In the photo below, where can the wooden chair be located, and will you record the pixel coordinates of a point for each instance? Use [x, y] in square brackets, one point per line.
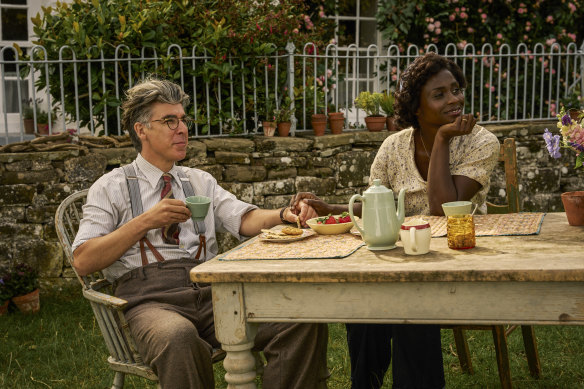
[108, 309]
[507, 155]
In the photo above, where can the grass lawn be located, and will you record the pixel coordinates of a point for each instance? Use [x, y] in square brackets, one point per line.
[61, 347]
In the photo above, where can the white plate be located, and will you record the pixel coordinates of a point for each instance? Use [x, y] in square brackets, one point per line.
[293, 238]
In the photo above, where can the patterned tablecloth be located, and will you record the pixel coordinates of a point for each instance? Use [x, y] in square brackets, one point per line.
[343, 245]
[313, 247]
[525, 223]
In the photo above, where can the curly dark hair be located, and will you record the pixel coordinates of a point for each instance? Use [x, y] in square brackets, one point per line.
[407, 97]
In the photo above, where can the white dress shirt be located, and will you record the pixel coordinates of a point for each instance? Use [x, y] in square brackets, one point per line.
[108, 207]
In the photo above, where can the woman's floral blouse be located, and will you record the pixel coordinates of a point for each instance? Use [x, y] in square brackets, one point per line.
[473, 155]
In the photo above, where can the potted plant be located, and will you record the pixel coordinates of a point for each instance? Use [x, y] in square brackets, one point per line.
[43, 121]
[28, 115]
[23, 283]
[269, 121]
[386, 105]
[573, 103]
[336, 119]
[572, 138]
[371, 104]
[315, 104]
[283, 116]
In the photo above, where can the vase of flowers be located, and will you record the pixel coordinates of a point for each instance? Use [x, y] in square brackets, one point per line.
[571, 138]
[23, 284]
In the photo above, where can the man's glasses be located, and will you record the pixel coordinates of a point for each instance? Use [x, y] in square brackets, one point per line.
[172, 122]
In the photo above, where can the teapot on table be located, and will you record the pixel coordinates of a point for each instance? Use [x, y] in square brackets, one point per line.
[381, 223]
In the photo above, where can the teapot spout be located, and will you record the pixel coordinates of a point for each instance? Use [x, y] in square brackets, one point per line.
[401, 214]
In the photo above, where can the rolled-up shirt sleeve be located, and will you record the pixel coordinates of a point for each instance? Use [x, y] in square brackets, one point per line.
[227, 209]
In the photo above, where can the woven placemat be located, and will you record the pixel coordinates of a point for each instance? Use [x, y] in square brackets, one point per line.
[313, 247]
[525, 223]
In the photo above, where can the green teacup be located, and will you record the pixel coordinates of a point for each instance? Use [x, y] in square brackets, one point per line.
[457, 208]
[199, 206]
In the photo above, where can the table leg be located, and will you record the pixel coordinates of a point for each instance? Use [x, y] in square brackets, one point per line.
[235, 334]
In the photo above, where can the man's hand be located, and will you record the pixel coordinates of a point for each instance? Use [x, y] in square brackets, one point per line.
[166, 212]
[319, 206]
[306, 212]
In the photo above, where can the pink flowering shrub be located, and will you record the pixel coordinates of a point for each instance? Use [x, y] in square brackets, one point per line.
[489, 25]
[480, 21]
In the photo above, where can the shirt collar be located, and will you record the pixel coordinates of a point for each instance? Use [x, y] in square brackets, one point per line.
[152, 173]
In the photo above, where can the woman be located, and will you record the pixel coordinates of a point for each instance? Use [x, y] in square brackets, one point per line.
[440, 156]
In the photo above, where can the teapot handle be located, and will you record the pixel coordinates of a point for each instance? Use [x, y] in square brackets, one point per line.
[355, 197]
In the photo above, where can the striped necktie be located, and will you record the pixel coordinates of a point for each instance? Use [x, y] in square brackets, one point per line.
[170, 232]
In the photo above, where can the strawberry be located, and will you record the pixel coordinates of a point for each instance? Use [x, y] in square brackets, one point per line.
[345, 219]
[330, 220]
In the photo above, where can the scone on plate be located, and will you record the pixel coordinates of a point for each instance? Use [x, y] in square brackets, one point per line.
[291, 231]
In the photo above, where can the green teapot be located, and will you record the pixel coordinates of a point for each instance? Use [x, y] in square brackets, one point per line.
[381, 223]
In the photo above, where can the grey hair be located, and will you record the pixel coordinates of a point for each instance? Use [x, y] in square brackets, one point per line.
[139, 100]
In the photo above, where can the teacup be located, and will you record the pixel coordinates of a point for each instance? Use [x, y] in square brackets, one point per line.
[199, 206]
[457, 208]
[415, 235]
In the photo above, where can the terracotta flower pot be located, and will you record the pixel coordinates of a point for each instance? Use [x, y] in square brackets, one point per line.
[574, 113]
[4, 307]
[318, 123]
[375, 123]
[43, 128]
[336, 122]
[390, 123]
[28, 126]
[269, 128]
[28, 303]
[574, 207]
[284, 128]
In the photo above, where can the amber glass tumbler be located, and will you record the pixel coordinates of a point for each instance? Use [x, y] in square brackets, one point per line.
[461, 232]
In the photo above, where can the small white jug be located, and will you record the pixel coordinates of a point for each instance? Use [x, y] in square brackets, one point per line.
[415, 236]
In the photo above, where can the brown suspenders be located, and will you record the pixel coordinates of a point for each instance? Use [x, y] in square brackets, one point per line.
[137, 209]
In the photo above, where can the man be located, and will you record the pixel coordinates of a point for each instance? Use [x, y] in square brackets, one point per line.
[148, 255]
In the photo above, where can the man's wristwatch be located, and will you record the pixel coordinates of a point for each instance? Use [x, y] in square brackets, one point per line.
[282, 216]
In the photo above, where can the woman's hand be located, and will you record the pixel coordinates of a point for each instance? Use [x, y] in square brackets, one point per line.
[321, 207]
[297, 199]
[306, 212]
[463, 125]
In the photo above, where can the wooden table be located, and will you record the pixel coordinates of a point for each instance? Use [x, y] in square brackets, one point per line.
[533, 279]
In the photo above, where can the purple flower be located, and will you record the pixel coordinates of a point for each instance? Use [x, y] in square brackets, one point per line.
[566, 120]
[576, 146]
[552, 143]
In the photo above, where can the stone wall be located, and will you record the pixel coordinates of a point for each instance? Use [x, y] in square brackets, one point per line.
[262, 170]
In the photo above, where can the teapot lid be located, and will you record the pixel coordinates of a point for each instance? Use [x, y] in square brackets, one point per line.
[377, 187]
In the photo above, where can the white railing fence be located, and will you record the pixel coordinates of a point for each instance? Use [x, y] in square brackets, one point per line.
[231, 95]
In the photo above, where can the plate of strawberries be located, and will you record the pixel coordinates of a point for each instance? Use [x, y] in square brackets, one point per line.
[331, 224]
